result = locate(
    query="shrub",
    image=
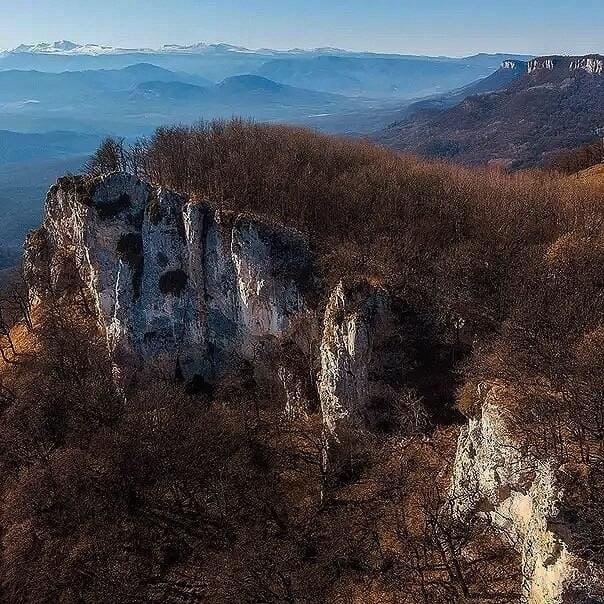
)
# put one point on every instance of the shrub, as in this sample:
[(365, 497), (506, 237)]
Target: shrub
[(109, 157), (575, 160)]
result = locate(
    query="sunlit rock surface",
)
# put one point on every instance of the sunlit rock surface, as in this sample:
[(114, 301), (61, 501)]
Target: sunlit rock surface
[(364, 362), (496, 477), (175, 283)]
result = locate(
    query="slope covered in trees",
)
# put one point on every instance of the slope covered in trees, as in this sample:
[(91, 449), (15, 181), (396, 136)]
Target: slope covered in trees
[(557, 103), (217, 496)]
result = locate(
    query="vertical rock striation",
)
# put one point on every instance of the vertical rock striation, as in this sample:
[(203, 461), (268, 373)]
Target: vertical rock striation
[(345, 356), (593, 64), (364, 365), (174, 283), (272, 270), (189, 290), (496, 477)]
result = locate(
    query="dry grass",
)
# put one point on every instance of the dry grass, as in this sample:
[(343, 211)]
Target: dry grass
[(24, 343)]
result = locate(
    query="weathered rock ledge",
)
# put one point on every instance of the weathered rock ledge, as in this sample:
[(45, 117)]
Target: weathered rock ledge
[(174, 282), (495, 476), (184, 287)]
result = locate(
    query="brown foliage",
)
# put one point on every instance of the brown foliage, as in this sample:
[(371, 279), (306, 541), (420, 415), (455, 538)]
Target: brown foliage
[(213, 498), (508, 267), (575, 160), (511, 261), (441, 235)]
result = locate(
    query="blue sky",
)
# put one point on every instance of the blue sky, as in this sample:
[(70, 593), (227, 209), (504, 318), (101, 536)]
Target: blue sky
[(455, 27)]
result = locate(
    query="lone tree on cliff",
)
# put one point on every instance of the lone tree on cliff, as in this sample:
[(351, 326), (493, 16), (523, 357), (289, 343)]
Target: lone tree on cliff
[(109, 157)]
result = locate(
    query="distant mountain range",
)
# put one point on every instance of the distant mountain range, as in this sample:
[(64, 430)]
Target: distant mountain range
[(376, 77), (58, 99), (138, 98), (70, 87), (66, 47), (356, 74), (517, 117)]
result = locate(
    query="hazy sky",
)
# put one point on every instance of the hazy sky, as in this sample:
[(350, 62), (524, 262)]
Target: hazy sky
[(453, 27)]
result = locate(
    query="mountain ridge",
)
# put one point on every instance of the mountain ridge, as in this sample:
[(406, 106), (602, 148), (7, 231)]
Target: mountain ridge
[(68, 47), (338, 71), (547, 104)]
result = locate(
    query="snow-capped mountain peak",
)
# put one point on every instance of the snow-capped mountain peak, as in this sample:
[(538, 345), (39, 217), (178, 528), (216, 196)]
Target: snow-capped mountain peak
[(66, 47), (61, 46)]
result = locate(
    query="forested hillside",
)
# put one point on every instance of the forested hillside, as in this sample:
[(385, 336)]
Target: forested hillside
[(404, 353), (550, 104)]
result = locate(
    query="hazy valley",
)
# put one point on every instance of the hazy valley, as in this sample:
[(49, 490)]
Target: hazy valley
[(72, 96)]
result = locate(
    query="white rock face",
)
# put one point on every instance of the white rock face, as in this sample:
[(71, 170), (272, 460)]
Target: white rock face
[(174, 283), (542, 63), (295, 398), (494, 476), (169, 321), (514, 65), (271, 271), (82, 235), (345, 356), (593, 64), (359, 350)]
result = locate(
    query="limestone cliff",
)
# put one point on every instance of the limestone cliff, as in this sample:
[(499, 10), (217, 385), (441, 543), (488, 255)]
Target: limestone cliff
[(345, 353), (593, 64), (364, 362), (189, 289), (514, 65), (184, 287), (495, 476), (498, 117), (175, 283)]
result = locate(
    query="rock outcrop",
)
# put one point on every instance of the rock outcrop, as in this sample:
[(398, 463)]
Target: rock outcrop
[(497, 119), (593, 64), (176, 283), (515, 65), (364, 362), (495, 476), (345, 356), (190, 289)]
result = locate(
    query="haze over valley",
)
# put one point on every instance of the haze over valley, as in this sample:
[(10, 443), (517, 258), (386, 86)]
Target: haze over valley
[(58, 100)]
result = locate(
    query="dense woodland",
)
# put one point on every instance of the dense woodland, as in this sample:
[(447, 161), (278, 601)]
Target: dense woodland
[(573, 161), (218, 496)]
